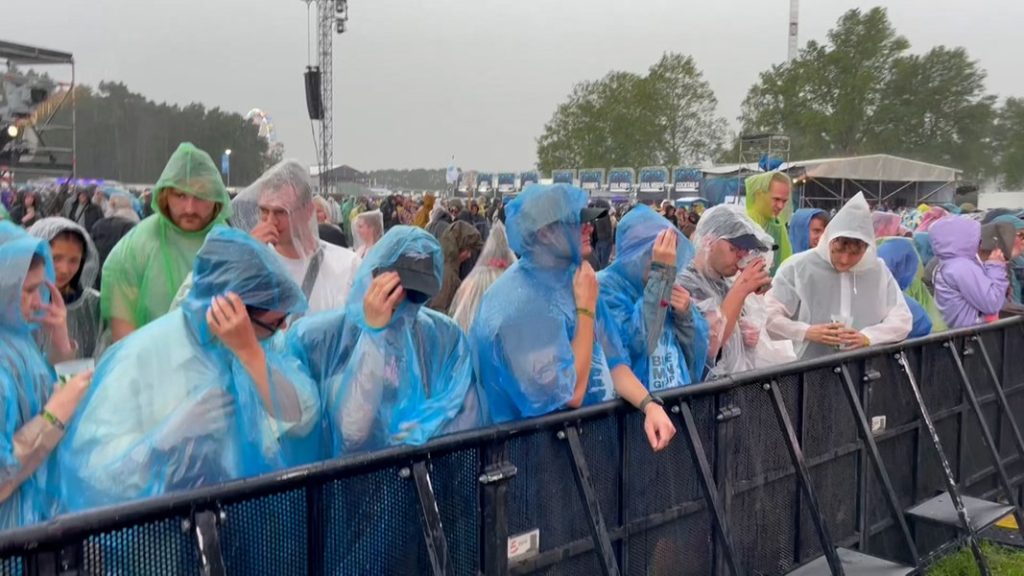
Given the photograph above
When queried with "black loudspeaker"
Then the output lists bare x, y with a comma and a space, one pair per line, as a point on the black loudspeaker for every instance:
314, 104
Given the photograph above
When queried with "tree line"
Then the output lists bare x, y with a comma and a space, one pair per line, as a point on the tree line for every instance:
860, 91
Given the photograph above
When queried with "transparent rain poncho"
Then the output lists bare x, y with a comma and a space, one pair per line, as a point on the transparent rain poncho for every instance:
26, 381
708, 289
494, 259
666, 349
367, 230
283, 196
144, 270
807, 290
82, 301
901, 257
402, 384
522, 335
172, 408
759, 208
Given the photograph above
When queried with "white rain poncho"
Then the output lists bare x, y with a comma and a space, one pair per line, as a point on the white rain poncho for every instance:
522, 334
807, 290
494, 259
82, 301
401, 384
172, 408
283, 196
26, 381
708, 289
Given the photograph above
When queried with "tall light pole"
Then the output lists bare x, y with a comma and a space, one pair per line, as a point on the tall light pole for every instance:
794, 30
225, 165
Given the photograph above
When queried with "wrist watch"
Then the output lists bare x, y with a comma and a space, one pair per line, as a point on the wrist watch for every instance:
650, 398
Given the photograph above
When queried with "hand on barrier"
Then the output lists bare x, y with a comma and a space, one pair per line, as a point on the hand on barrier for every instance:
658, 427
851, 339
827, 334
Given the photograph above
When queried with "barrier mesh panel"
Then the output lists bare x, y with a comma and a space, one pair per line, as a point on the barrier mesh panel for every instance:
835, 485
1016, 401
11, 566
660, 482
931, 474
543, 494
938, 379
829, 422
891, 395
266, 535
978, 458
456, 487
155, 548
373, 525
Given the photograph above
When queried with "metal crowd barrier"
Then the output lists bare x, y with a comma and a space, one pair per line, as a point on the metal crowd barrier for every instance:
817, 467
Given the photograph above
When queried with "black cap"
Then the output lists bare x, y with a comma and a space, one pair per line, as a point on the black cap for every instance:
592, 213
748, 242
416, 273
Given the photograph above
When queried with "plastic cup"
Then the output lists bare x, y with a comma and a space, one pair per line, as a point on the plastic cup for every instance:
68, 370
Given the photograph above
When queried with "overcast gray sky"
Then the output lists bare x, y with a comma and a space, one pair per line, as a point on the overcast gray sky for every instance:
419, 80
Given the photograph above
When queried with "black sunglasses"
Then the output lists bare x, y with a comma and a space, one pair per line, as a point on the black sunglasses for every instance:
253, 311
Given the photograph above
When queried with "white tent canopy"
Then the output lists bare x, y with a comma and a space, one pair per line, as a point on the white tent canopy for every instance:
876, 167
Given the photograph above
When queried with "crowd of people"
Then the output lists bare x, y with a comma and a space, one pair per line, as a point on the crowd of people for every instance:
237, 336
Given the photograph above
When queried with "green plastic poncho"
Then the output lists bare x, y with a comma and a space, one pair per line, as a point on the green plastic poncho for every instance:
759, 208
144, 270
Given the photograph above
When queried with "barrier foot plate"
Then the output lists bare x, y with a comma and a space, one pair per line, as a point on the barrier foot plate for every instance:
940, 510
854, 564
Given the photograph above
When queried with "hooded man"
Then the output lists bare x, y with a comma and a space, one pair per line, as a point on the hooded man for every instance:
968, 291
35, 410
461, 244
728, 268
143, 272
76, 264
390, 370
223, 404
839, 296
542, 339
806, 227
440, 220
278, 210
82, 209
768, 204
666, 337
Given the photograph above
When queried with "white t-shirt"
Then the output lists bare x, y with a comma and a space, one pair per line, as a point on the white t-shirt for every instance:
334, 281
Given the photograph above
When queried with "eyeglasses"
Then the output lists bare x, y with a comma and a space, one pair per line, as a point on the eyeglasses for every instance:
268, 327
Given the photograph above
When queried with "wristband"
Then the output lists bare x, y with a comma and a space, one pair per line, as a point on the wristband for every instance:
650, 398
587, 313
53, 420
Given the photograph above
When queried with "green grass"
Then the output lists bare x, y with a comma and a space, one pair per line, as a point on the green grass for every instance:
1002, 561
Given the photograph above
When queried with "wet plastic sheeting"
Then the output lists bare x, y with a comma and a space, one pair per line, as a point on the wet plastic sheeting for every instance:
543, 495
155, 548
662, 481
267, 535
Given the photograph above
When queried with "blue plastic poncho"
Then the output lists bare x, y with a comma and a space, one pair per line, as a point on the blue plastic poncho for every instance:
26, 377
800, 228
401, 384
664, 352
522, 334
923, 243
901, 257
171, 408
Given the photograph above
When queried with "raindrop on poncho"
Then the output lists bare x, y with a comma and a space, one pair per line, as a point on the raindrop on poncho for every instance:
402, 384
143, 272
807, 290
495, 258
666, 349
759, 208
172, 408
903, 262
522, 335
82, 301
26, 379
